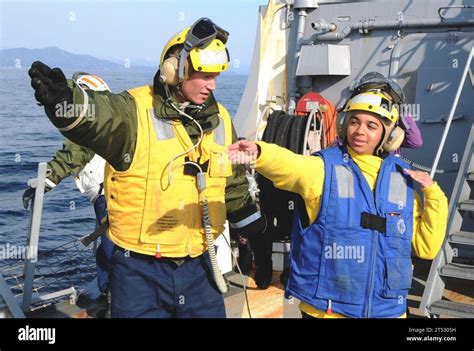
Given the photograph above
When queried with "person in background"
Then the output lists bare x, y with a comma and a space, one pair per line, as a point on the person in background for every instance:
361, 219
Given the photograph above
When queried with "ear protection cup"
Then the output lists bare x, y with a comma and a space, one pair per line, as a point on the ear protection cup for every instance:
341, 127
169, 71
395, 140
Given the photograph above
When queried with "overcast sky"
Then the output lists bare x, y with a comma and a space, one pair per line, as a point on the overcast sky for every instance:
122, 29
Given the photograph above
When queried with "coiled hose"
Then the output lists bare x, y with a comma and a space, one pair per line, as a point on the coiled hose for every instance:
221, 285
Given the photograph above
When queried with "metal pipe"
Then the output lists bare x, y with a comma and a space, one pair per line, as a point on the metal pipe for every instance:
72, 292
367, 25
302, 14
323, 26
451, 113
33, 237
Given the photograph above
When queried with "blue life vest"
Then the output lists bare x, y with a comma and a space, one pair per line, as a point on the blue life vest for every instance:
355, 258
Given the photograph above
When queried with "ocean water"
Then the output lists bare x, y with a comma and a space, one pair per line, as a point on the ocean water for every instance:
28, 137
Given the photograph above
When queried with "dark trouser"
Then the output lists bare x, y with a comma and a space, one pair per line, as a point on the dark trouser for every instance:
147, 287
104, 251
262, 246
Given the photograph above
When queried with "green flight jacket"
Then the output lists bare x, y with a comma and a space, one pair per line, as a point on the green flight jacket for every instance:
109, 128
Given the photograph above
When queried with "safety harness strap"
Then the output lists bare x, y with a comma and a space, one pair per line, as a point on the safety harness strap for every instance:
374, 222
86, 240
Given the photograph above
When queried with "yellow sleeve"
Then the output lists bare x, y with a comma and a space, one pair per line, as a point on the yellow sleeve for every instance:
429, 222
288, 171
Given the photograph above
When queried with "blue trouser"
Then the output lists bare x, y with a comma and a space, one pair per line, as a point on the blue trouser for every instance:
147, 287
104, 251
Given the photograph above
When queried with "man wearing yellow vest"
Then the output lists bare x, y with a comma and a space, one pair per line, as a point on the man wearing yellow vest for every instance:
165, 147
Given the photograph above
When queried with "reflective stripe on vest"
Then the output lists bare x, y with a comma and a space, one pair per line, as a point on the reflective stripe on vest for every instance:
397, 193
219, 134
163, 128
345, 182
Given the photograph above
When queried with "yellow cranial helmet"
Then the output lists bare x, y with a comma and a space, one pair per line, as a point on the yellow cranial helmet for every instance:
379, 104
205, 45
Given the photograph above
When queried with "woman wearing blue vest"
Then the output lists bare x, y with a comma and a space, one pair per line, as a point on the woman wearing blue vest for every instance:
353, 237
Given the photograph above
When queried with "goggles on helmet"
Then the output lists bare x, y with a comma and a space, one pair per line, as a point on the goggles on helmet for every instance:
202, 33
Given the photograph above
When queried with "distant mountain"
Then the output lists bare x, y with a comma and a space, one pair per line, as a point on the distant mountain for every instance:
134, 61
55, 57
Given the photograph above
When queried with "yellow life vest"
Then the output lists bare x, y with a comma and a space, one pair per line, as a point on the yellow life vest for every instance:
152, 216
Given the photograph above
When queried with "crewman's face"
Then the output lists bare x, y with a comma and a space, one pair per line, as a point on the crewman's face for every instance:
364, 132
199, 87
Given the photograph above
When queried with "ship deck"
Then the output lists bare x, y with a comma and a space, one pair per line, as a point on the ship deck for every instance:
268, 303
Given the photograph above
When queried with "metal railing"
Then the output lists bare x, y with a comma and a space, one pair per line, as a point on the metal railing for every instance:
44, 278
451, 113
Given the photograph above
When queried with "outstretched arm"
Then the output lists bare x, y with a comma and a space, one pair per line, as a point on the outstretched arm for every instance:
288, 171
101, 121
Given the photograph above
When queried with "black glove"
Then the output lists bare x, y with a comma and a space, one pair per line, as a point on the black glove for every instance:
50, 85
28, 196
